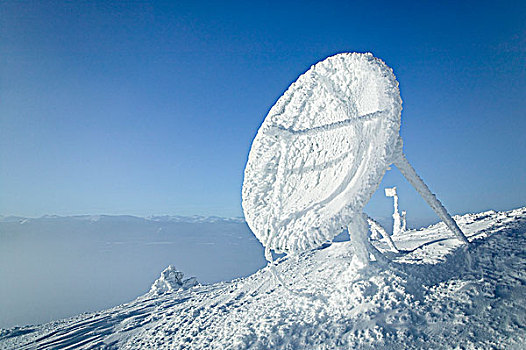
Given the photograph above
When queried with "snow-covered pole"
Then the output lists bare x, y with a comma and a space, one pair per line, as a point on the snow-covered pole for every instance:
358, 230
391, 192
410, 174
376, 227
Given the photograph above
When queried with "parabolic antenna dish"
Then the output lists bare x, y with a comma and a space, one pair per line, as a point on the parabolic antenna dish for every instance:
321, 152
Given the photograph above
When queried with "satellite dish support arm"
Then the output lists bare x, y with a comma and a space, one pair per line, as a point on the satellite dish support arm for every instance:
410, 174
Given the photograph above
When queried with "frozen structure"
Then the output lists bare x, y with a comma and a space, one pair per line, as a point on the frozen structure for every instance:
378, 232
172, 280
322, 152
399, 221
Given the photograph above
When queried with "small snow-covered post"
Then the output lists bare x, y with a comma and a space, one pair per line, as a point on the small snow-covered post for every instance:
410, 174
404, 222
391, 192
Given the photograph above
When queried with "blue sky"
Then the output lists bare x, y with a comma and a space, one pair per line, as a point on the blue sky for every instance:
150, 107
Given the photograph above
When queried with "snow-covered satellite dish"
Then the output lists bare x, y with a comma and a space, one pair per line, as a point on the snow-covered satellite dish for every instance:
322, 151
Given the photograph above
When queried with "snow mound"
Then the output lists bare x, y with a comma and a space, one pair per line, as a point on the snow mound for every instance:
321, 152
172, 280
435, 293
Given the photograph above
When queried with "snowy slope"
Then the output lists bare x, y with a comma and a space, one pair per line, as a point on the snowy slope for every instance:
435, 294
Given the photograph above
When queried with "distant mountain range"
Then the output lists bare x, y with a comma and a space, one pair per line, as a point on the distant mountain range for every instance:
123, 218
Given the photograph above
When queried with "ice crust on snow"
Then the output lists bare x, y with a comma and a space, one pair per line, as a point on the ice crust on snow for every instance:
171, 280
435, 294
321, 152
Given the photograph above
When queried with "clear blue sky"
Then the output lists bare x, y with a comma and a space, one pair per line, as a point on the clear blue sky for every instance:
150, 107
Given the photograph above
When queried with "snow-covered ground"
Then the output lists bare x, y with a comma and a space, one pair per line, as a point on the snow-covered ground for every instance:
434, 294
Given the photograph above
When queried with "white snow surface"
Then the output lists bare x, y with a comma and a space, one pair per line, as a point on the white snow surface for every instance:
321, 152
436, 293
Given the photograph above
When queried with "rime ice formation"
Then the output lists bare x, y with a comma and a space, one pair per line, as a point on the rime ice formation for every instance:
410, 174
171, 280
378, 232
397, 218
322, 151
404, 221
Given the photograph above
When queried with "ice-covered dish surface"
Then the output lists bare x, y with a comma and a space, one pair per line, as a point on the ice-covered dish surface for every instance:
321, 152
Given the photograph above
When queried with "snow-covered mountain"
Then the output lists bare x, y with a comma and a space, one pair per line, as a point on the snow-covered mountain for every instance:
435, 294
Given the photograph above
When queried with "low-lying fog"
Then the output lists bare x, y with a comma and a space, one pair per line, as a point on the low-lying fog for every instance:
51, 268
